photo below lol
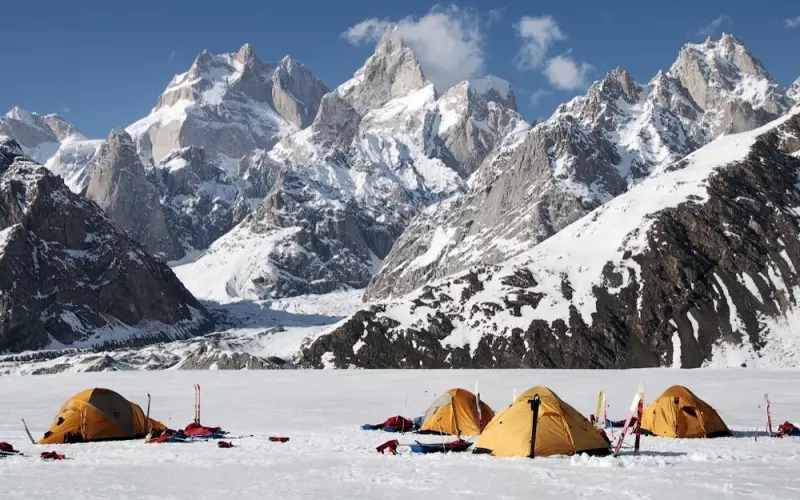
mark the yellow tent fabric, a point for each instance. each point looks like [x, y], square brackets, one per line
[560, 429]
[98, 415]
[679, 413]
[456, 413]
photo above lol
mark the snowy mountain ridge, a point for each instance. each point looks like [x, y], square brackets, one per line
[668, 273]
[592, 149]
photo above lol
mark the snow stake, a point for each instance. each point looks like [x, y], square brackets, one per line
[28, 432]
[535, 402]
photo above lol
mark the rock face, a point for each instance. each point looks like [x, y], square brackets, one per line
[695, 265]
[198, 198]
[119, 185]
[70, 276]
[229, 104]
[382, 147]
[39, 135]
[794, 91]
[589, 151]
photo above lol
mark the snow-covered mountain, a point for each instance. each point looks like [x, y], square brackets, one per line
[382, 147]
[590, 150]
[40, 136]
[229, 104]
[70, 277]
[694, 265]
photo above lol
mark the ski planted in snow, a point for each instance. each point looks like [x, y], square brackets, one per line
[478, 403]
[28, 432]
[601, 402]
[769, 415]
[197, 403]
[639, 411]
[634, 409]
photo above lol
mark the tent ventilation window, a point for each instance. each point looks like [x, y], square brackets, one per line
[690, 411]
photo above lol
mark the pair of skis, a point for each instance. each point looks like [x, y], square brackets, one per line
[637, 407]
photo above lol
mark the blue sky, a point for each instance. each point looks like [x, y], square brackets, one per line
[104, 64]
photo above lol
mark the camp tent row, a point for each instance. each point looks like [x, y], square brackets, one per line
[553, 427]
[538, 423]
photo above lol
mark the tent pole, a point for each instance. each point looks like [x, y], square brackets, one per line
[535, 412]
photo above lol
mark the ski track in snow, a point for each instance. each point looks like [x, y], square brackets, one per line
[328, 456]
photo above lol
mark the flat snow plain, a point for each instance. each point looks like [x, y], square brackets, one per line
[328, 455]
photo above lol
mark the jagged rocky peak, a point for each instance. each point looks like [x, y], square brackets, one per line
[717, 72]
[494, 89]
[70, 276]
[119, 185]
[39, 135]
[392, 71]
[229, 104]
[296, 93]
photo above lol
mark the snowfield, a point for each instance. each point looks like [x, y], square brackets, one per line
[328, 456]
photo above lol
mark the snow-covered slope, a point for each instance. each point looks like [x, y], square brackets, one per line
[229, 104]
[589, 151]
[40, 136]
[382, 147]
[70, 277]
[695, 264]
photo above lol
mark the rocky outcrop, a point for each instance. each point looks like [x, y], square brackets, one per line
[119, 185]
[39, 135]
[296, 92]
[794, 91]
[70, 276]
[589, 151]
[695, 265]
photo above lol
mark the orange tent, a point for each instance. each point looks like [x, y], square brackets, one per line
[560, 429]
[679, 413]
[456, 413]
[98, 415]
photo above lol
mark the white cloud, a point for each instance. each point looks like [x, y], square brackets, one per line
[537, 34]
[66, 110]
[447, 41]
[564, 73]
[793, 22]
[537, 95]
[172, 56]
[715, 25]
[367, 31]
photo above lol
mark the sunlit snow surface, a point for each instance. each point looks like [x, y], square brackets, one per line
[328, 456]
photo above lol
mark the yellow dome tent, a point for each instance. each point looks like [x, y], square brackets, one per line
[98, 415]
[456, 413]
[679, 413]
[559, 429]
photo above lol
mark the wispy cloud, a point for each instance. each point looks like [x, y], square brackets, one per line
[537, 95]
[537, 34]
[66, 110]
[562, 71]
[172, 56]
[448, 41]
[494, 16]
[792, 22]
[715, 25]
